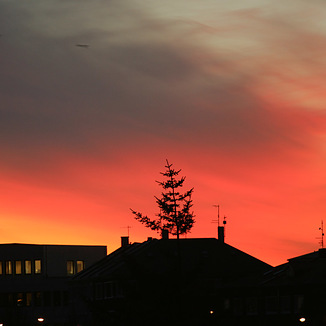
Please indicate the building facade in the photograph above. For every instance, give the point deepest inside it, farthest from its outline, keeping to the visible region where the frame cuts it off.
(34, 282)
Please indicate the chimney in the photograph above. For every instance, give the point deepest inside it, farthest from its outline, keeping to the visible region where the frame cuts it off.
(165, 234)
(220, 233)
(124, 241)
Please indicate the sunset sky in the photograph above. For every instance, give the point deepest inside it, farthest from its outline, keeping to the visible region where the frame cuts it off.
(231, 92)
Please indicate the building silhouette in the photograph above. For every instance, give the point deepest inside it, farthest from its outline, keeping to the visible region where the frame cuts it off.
(293, 293)
(165, 282)
(34, 281)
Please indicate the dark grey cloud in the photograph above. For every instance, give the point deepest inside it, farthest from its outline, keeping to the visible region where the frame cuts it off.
(142, 76)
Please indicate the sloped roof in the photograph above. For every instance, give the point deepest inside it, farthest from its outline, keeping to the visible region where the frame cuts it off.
(207, 257)
(305, 269)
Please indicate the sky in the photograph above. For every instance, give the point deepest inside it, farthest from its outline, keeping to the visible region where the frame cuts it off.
(231, 93)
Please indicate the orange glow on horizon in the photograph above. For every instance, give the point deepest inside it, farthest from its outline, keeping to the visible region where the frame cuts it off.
(37, 214)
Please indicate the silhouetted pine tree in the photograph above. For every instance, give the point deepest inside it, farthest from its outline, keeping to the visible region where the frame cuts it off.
(175, 207)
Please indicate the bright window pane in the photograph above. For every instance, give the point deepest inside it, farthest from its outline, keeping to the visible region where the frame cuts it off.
(37, 266)
(80, 265)
(8, 267)
(28, 267)
(18, 267)
(70, 267)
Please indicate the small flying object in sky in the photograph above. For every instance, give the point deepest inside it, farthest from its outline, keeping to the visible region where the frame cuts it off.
(83, 45)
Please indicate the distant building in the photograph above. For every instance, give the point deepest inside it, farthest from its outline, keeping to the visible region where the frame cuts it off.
(291, 294)
(165, 282)
(34, 282)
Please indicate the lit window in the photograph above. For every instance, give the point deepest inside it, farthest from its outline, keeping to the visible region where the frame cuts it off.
(37, 266)
(18, 267)
(28, 267)
(80, 265)
(70, 267)
(8, 267)
(1, 268)
(20, 299)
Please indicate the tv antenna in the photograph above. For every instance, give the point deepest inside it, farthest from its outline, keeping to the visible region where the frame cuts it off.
(321, 242)
(126, 227)
(218, 215)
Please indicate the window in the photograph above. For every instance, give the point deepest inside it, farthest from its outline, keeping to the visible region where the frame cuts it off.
(28, 267)
(1, 268)
(65, 299)
(271, 305)
(18, 267)
(37, 266)
(285, 304)
(227, 304)
(20, 299)
(252, 306)
(80, 265)
(109, 290)
(38, 299)
(237, 306)
(57, 298)
(70, 267)
(98, 291)
(298, 303)
(47, 298)
(28, 299)
(8, 267)
(3, 299)
(10, 298)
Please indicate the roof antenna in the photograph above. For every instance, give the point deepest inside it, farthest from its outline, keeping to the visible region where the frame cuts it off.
(126, 227)
(218, 218)
(218, 215)
(321, 242)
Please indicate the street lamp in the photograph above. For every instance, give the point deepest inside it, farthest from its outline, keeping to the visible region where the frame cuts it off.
(302, 320)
